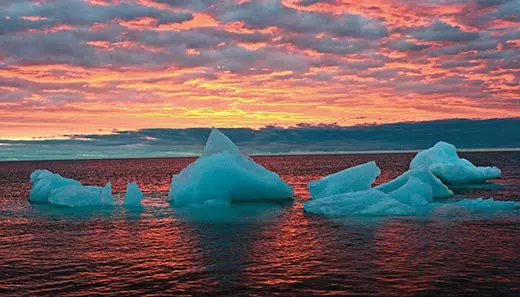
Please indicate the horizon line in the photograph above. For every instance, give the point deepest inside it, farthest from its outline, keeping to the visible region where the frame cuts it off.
(301, 125)
(296, 153)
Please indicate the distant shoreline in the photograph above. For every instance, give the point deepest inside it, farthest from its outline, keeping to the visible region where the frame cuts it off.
(295, 153)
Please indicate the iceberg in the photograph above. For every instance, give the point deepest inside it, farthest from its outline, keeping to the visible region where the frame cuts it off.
(411, 193)
(222, 174)
(48, 187)
(409, 200)
(443, 161)
(439, 190)
(133, 195)
(357, 178)
(44, 181)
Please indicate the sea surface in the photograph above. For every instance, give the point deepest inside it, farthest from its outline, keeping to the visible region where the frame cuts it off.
(255, 249)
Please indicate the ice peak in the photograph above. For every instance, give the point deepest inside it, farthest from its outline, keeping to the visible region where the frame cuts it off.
(217, 143)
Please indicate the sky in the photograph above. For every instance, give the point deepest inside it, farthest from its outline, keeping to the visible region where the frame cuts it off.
(100, 66)
(466, 134)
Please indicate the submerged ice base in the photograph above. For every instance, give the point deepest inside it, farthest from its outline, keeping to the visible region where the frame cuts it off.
(222, 175)
(48, 187)
(443, 161)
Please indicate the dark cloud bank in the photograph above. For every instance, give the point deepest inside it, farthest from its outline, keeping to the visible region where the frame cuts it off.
(304, 138)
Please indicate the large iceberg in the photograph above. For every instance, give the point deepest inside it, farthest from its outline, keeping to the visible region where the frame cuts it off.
(439, 190)
(443, 161)
(411, 193)
(357, 178)
(133, 195)
(48, 187)
(222, 175)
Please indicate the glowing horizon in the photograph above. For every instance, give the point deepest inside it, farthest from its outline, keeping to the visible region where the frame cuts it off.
(94, 66)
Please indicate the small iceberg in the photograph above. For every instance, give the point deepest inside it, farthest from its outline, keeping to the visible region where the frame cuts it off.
(357, 178)
(222, 174)
(48, 187)
(133, 196)
(44, 181)
(443, 161)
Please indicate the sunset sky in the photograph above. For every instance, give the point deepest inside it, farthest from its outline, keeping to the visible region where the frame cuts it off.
(72, 67)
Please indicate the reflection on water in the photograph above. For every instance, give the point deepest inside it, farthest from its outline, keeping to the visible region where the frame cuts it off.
(261, 248)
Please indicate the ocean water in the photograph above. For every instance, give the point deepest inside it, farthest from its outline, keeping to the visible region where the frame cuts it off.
(255, 249)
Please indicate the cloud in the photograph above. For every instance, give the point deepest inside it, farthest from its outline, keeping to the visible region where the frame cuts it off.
(139, 63)
(263, 14)
(480, 45)
(13, 17)
(328, 45)
(312, 2)
(441, 31)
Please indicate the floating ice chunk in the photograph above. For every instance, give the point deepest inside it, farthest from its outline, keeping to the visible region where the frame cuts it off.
(362, 203)
(48, 187)
(223, 174)
(414, 192)
(439, 190)
(79, 196)
(133, 195)
(44, 181)
(443, 161)
(357, 178)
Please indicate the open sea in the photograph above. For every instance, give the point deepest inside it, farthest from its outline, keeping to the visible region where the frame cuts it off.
(252, 249)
